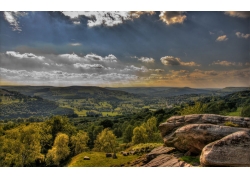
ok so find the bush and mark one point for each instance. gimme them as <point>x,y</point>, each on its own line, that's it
<point>229,123</point>
<point>245,112</point>
<point>191,160</point>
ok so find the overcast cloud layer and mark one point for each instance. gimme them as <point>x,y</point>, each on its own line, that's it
<point>136,48</point>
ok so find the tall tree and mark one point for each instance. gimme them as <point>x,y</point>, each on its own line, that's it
<point>79,142</point>
<point>106,141</point>
<point>139,135</point>
<point>59,151</point>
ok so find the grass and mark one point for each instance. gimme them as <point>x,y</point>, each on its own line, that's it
<point>141,148</point>
<point>235,113</point>
<point>110,113</point>
<point>193,160</point>
<point>229,123</point>
<point>98,159</point>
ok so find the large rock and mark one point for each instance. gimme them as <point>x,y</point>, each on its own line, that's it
<point>175,122</point>
<point>232,150</point>
<point>193,137</point>
<point>158,151</point>
<point>166,160</point>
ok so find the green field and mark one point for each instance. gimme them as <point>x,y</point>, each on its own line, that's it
<point>235,113</point>
<point>98,159</point>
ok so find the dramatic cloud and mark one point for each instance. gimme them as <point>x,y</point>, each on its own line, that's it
<point>241,35</point>
<point>222,38</point>
<point>107,18</point>
<point>25,55</point>
<point>174,61</point>
<point>12,18</point>
<point>146,60</point>
<point>240,14</point>
<point>172,17</point>
<point>65,78</point>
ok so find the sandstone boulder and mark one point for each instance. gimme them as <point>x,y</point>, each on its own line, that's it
<point>166,160</point>
<point>232,150</point>
<point>158,151</point>
<point>175,122</point>
<point>194,137</point>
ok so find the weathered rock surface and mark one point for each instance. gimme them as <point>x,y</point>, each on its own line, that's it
<point>166,160</point>
<point>220,145</point>
<point>194,137</point>
<point>158,151</point>
<point>232,150</point>
<point>161,157</point>
<point>177,121</point>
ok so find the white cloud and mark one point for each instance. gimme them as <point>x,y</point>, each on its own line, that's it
<point>94,57</point>
<point>107,18</point>
<point>12,17</point>
<point>88,66</point>
<point>226,63</point>
<point>146,60</point>
<point>159,70</point>
<point>241,35</point>
<point>75,44</point>
<point>25,55</point>
<point>222,38</point>
<point>76,22</point>
<point>172,17</point>
<point>174,61</point>
<point>133,68</point>
<point>240,14</point>
<point>72,56</point>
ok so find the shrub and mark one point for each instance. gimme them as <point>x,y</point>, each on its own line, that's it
<point>229,123</point>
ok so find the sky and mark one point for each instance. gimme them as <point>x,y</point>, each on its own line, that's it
<point>199,49</point>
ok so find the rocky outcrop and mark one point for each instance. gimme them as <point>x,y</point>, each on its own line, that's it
<point>208,133</point>
<point>161,157</point>
<point>167,160</point>
<point>192,138</point>
<point>177,121</point>
<point>232,150</point>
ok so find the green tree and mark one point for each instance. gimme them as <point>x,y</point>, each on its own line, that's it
<point>245,112</point>
<point>139,135</point>
<point>79,142</point>
<point>197,108</point>
<point>151,130</point>
<point>53,126</point>
<point>20,146</point>
<point>128,134</point>
<point>59,151</point>
<point>106,141</point>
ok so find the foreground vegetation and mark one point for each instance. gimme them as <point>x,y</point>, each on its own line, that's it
<point>32,134</point>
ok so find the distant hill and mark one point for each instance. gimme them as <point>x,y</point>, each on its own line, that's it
<point>163,91</point>
<point>14,104</point>
<point>72,92</point>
